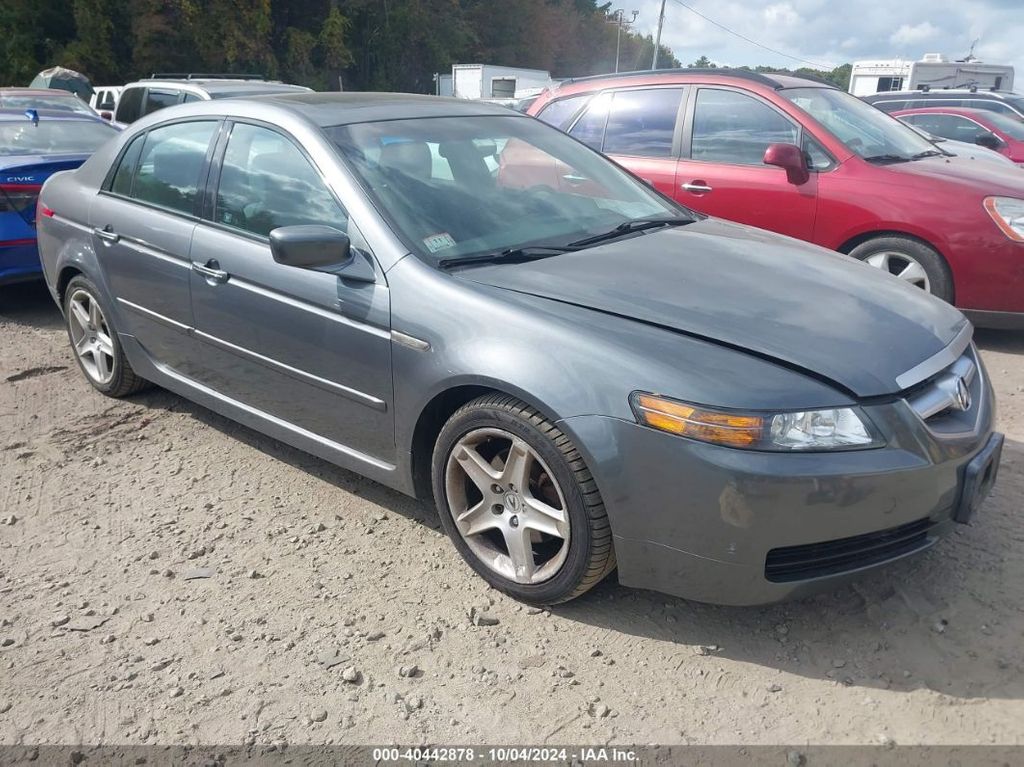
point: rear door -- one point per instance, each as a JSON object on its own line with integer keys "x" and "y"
{"x": 638, "y": 128}
{"x": 142, "y": 223}
{"x": 301, "y": 345}
{"x": 722, "y": 172}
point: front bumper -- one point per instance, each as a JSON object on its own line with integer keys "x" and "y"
{"x": 707, "y": 523}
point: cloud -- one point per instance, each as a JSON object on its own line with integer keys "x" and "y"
{"x": 831, "y": 33}
{"x": 911, "y": 35}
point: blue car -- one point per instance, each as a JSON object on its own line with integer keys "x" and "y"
{"x": 35, "y": 144}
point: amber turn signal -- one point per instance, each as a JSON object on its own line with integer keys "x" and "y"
{"x": 720, "y": 428}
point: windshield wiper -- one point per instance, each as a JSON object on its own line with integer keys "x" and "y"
{"x": 928, "y": 153}
{"x": 887, "y": 158}
{"x": 627, "y": 227}
{"x": 528, "y": 253}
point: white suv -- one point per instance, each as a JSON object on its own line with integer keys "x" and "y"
{"x": 141, "y": 98}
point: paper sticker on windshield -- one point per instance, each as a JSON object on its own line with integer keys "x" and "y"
{"x": 440, "y": 241}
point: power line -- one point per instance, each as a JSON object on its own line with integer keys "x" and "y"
{"x": 752, "y": 42}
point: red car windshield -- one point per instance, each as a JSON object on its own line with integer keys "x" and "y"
{"x": 861, "y": 127}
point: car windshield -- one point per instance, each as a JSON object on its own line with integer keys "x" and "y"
{"x": 68, "y": 103}
{"x": 865, "y": 129}
{"x": 462, "y": 186}
{"x": 53, "y": 136}
{"x": 1008, "y": 125}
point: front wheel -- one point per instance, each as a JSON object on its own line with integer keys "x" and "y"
{"x": 519, "y": 503}
{"x": 910, "y": 260}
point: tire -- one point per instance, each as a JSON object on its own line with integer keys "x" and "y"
{"x": 897, "y": 254}
{"x": 573, "y": 555}
{"x": 89, "y": 324}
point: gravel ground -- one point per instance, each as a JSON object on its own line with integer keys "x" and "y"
{"x": 167, "y": 576}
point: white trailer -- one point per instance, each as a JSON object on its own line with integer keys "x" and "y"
{"x": 933, "y": 72}
{"x": 487, "y": 81}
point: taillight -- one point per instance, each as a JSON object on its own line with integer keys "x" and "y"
{"x": 18, "y": 197}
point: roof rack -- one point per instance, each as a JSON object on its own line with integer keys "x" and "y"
{"x": 201, "y": 76}
{"x": 745, "y": 74}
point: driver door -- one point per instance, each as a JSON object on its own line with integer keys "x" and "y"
{"x": 723, "y": 173}
{"x": 304, "y": 346}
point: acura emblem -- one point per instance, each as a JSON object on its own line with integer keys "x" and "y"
{"x": 961, "y": 395}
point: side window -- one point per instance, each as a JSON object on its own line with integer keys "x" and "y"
{"x": 992, "y": 106}
{"x": 122, "y": 181}
{"x": 129, "y": 108}
{"x": 105, "y": 100}
{"x": 590, "y": 127}
{"x": 643, "y": 123}
{"x": 172, "y": 159}
{"x": 188, "y": 98}
{"x": 817, "y": 157}
{"x": 156, "y": 100}
{"x": 731, "y": 127}
{"x": 560, "y": 113}
{"x": 266, "y": 182}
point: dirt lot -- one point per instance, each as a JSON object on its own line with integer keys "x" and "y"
{"x": 335, "y": 611}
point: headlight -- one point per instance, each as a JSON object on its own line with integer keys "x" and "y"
{"x": 1008, "y": 213}
{"x": 830, "y": 429}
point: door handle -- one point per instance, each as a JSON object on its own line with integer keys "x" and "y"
{"x": 106, "y": 234}
{"x": 697, "y": 187}
{"x": 211, "y": 271}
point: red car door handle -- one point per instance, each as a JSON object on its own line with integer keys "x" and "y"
{"x": 697, "y": 187}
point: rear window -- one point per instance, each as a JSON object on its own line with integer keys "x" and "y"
{"x": 129, "y": 108}
{"x": 66, "y": 103}
{"x": 53, "y": 137}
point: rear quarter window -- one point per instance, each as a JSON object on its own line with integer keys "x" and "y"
{"x": 129, "y": 108}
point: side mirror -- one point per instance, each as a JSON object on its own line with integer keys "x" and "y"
{"x": 791, "y": 158}
{"x": 310, "y": 247}
{"x": 989, "y": 141}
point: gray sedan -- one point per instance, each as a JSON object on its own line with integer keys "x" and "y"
{"x": 467, "y": 305}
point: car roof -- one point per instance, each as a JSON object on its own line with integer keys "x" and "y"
{"x": 945, "y": 93}
{"x": 59, "y": 92}
{"x": 18, "y": 115}
{"x": 687, "y": 75}
{"x": 965, "y": 111}
{"x": 221, "y": 86}
{"x": 328, "y": 109}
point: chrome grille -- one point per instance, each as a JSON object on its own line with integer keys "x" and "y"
{"x": 949, "y": 401}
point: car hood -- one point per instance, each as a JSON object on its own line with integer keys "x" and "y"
{"x": 984, "y": 178}
{"x": 795, "y": 303}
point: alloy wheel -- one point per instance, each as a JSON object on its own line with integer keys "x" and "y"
{"x": 903, "y": 266}
{"x": 507, "y": 505}
{"x": 91, "y": 337}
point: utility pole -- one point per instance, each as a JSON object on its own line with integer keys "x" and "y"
{"x": 616, "y": 17}
{"x": 657, "y": 37}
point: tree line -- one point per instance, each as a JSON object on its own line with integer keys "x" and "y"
{"x": 325, "y": 44}
{"x": 840, "y": 76}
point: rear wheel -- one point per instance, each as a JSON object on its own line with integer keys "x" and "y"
{"x": 94, "y": 341}
{"x": 910, "y": 260}
{"x": 519, "y": 503}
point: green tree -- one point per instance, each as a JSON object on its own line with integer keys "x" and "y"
{"x": 703, "y": 63}
{"x": 92, "y": 51}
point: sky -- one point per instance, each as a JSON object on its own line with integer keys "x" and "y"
{"x": 833, "y": 32}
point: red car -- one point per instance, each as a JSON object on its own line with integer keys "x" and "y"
{"x": 808, "y": 160}
{"x": 991, "y": 130}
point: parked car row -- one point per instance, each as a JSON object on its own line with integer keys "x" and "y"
{"x": 583, "y": 374}
{"x": 808, "y": 160}
{"x": 972, "y": 126}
